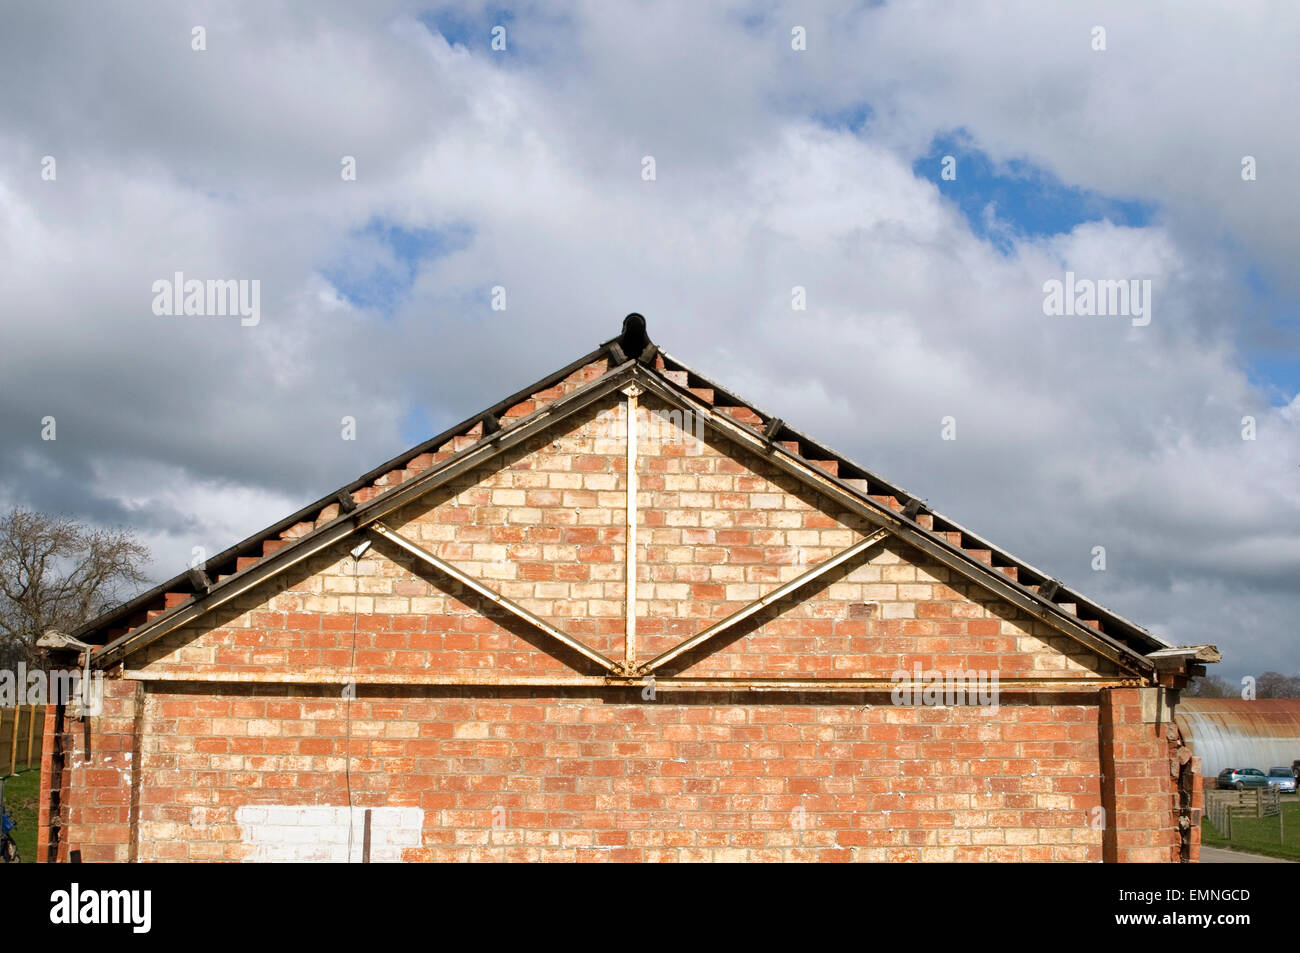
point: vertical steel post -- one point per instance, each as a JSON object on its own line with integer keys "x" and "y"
{"x": 632, "y": 391}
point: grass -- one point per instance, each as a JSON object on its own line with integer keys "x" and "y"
{"x": 22, "y": 793}
{"x": 1259, "y": 835}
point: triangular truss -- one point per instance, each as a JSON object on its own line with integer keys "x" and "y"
{"x": 633, "y": 378}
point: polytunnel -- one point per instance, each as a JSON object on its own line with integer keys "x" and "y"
{"x": 1240, "y": 733}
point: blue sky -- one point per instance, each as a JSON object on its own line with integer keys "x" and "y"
{"x": 471, "y": 29}
{"x": 1023, "y": 199}
{"x": 379, "y": 262}
{"x": 1272, "y": 351}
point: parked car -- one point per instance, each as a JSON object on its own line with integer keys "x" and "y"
{"x": 1242, "y": 778}
{"x": 1282, "y": 779}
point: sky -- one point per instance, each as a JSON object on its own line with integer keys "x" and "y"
{"x": 793, "y": 146}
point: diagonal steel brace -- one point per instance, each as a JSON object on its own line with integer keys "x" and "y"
{"x": 780, "y": 592}
{"x": 514, "y": 608}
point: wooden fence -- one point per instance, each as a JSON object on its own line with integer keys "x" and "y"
{"x": 1222, "y": 806}
{"x": 21, "y": 733}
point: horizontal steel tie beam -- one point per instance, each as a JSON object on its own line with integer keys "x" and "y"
{"x": 779, "y": 593}
{"x": 514, "y": 608}
{"x": 489, "y": 679}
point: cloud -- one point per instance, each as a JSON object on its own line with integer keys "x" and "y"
{"x": 774, "y": 169}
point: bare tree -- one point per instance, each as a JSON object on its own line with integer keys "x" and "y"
{"x": 1277, "y": 685}
{"x": 58, "y": 573}
{"x": 1209, "y": 686}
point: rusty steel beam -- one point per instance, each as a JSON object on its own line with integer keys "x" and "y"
{"x": 346, "y": 524}
{"x": 874, "y": 684}
{"x": 495, "y": 680}
{"x": 343, "y": 497}
{"x": 942, "y": 551}
{"x": 514, "y": 608}
{"x": 490, "y": 447}
{"x": 223, "y": 592}
{"x": 415, "y": 678}
{"x": 1122, "y": 624}
{"x": 780, "y": 592}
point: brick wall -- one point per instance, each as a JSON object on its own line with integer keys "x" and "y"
{"x": 96, "y": 778}
{"x": 585, "y": 776}
{"x": 1139, "y": 745}
{"x": 612, "y": 775}
{"x": 190, "y": 767}
{"x": 1197, "y": 798}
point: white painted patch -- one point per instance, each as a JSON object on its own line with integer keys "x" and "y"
{"x": 285, "y": 833}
